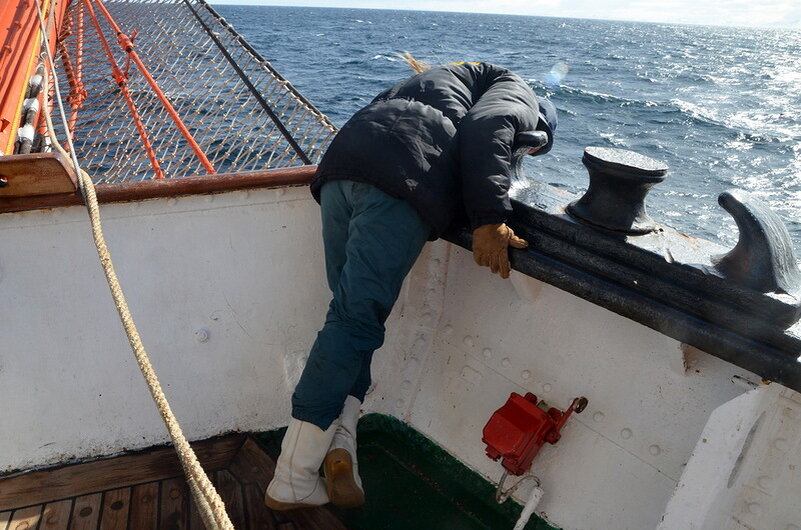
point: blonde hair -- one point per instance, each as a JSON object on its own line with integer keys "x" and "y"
{"x": 414, "y": 64}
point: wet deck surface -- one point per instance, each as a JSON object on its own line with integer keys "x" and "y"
{"x": 147, "y": 491}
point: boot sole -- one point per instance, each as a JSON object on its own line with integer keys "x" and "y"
{"x": 342, "y": 488}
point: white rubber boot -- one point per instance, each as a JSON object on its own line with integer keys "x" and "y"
{"x": 341, "y": 466}
{"x": 297, "y": 482}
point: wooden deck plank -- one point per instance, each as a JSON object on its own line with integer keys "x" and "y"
{"x": 231, "y": 492}
{"x": 56, "y": 515}
{"x": 259, "y": 516}
{"x": 26, "y": 518}
{"x": 114, "y": 514}
{"x": 195, "y": 520}
{"x": 252, "y": 465}
{"x": 44, "y": 486}
{"x": 86, "y": 512}
{"x": 159, "y": 504}
{"x": 145, "y": 506}
{"x": 174, "y": 504}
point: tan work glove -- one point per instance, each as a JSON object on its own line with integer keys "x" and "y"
{"x": 490, "y": 247}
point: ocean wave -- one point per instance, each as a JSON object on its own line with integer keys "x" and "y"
{"x": 582, "y": 94}
{"x": 745, "y": 125}
{"x": 697, "y": 112}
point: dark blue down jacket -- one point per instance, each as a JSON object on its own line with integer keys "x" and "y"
{"x": 443, "y": 140}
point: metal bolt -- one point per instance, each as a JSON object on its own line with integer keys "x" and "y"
{"x": 202, "y": 335}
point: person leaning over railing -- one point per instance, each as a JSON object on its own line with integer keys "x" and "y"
{"x": 442, "y": 144}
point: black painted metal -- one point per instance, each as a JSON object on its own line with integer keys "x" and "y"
{"x": 619, "y": 182}
{"x": 662, "y": 279}
{"x": 763, "y": 258}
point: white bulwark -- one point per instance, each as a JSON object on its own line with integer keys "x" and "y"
{"x": 229, "y": 291}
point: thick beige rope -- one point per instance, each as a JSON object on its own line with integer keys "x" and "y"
{"x": 208, "y": 501}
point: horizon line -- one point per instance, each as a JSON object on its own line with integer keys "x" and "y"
{"x": 257, "y": 3}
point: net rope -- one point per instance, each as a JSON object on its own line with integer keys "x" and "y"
{"x": 241, "y": 112}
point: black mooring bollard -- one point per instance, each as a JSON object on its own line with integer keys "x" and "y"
{"x": 619, "y": 182}
{"x": 764, "y": 258}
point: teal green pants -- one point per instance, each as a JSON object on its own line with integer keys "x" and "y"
{"x": 371, "y": 242}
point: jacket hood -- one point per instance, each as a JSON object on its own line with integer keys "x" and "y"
{"x": 547, "y": 122}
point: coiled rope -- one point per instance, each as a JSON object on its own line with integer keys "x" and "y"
{"x": 208, "y": 501}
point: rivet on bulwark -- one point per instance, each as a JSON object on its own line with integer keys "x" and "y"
{"x": 654, "y": 450}
{"x": 625, "y": 434}
{"x": 487, "y": 353}
{"x": 619, "y": 182}
{"x": 546, "y": 387}
{"x": 202, "y": 335}
{"x": 468, "y": 341}
{"x": 598, "y": 417}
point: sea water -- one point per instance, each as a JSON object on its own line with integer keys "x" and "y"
{"x": 721, "y": 106}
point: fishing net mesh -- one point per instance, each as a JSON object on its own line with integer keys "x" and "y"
{"x": 203, "y": 68}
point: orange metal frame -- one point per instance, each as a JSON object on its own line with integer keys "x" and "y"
{"x": 20, "y": 44}
{"x": 20, "y": 37}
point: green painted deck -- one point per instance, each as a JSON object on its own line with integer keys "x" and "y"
{"x": 413, "y": 484}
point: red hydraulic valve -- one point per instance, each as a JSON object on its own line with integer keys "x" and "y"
{"x": 518, "y": 430}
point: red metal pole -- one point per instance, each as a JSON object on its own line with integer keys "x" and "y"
{"x": 127, "y": 45}
{"x": 78, "y": 94}
{"x": 122, "y": 82}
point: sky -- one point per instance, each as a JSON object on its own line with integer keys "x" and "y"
{"x": 765, "y": 13}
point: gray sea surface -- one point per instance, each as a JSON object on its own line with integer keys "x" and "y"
{"x": 721, "y": 106}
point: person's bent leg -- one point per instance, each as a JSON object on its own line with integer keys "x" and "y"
{"x": 296, "y": 482}
{"x": 385, "y": 236}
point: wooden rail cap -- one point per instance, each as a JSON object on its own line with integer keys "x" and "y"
{"x": 36, "y": 174}
{"x": 173, "y": 187}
